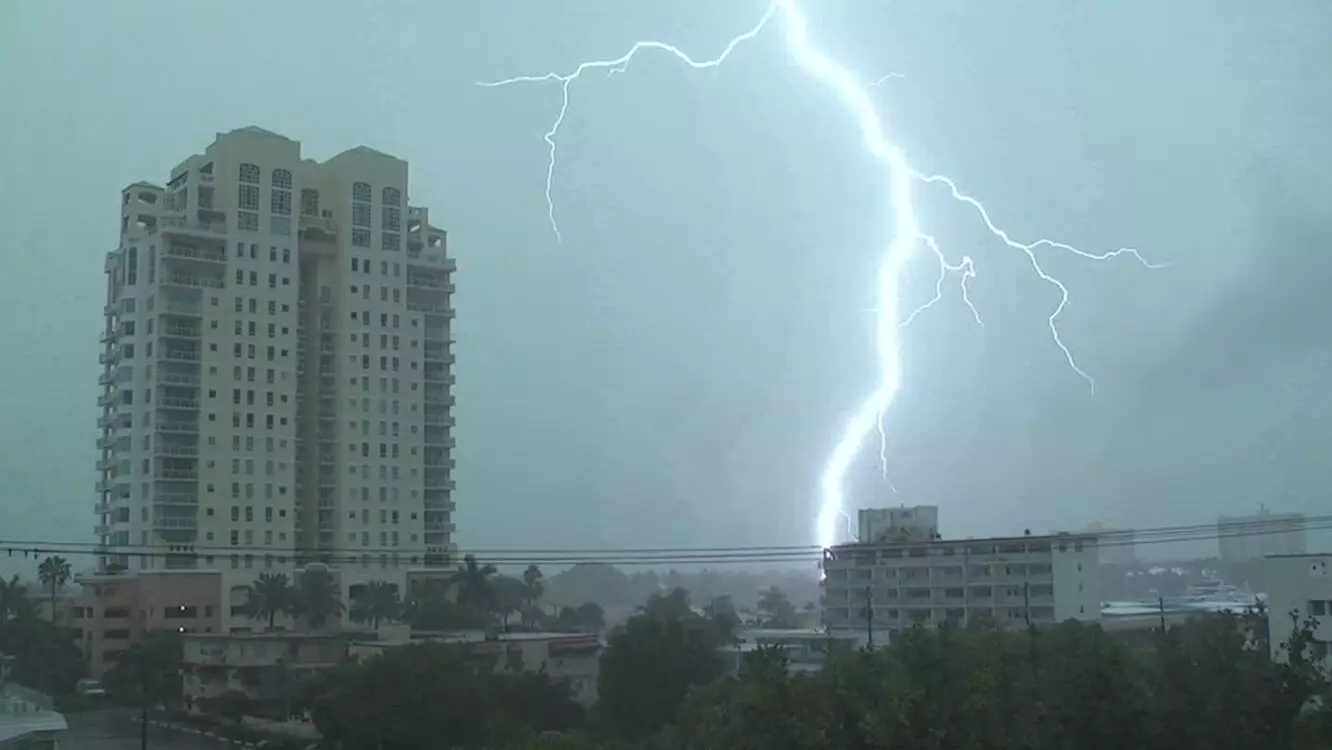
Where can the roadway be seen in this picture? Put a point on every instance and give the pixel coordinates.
(118, 729)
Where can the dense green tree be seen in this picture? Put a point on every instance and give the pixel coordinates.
(433, 696)
(150, 670)
(270, 595)
(45, 655)
(375, 603)
(778, 612)
(428, 608)
(1071, 686)
(508, 596)
(316, 597)
(475, 586)
(535, 581)
(652, 662)
(14, 600)
(54, 573)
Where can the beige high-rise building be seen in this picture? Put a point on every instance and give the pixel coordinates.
(277, 369)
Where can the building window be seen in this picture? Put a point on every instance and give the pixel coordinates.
(247, 221)
(248, 197)
(132, 266)
(280, 202)
(249, 173)
(391, 242)
(392, 196)
(282, 179)
(309, 202)
(361, 238)
(392, 219)
(360, 214)
(361, 191)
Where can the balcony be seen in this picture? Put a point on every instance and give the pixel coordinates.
(108, 357)
(166, 377)
(194, 253)
(107, 337)
(175, 523)
(180, 426)
(440, 420)
(421, 281)
(180, 331)
(187, 404)
(101, 529)
(176, 451)
(182, 225)
(102, 509)
(443, 485)
(430, 308)
(182, 308)
(438, 375)
(191, 282)
(180, 355)
(106, 399)
(433, 442)
(178, 475)
(321, 223)
(106, 442)
(441, 527)
(175, 498)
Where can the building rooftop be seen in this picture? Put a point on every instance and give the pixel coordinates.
(1056, 535)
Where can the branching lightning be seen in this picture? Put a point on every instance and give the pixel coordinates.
(905, 235)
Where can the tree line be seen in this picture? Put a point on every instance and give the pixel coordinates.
(1208, 684)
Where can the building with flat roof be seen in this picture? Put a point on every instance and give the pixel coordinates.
(1241, 539)
(914, 523)
(277, 367)
(1300, 585)
(28, 719)
(883, 587)
(805, 649)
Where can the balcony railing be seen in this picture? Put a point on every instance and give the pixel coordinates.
(175, 498)
(425, 282)
(180, 355)
(181, 308)
(180, 451)
(178, 474)
(171, 378)
(429, 309)
(194, 253)
(188, 332)
(177, 426)
(196, 282)
(181, 223)
(178, 403)
(175, 523)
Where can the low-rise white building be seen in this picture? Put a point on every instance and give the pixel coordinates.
(1300, 585)
(806, 650)
(28, 719)
(883, 587)
(1241, 539)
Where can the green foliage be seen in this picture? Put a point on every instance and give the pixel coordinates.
(428, 608)
(432, 696)
(376, 602)
(270, 595)
(150, 670)
(316, 597)
(1072, 686)
(777, 610)
(54, 572)
(45, 655)
(653, 661)
(475, 586)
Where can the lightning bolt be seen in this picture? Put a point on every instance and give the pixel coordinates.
(905, 234)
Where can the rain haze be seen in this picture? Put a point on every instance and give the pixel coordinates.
(676, 371)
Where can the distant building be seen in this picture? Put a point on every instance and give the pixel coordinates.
(1242, 539)
(28, 719)
(265, 667)
(901, 524)
(111, 612)
(1011, 581)
(1300, 585)
(1117, 546)
(806, 650)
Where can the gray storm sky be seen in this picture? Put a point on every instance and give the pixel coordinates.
(675, 373)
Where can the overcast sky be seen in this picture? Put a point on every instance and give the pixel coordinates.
(675, 373)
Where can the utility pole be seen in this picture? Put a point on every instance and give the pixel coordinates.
(1026, 603)
(143, 709)
(869, 616)
(1160, 607)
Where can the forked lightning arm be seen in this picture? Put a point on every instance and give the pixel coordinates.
(905, 235)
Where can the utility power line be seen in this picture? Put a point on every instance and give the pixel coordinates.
(649, 556)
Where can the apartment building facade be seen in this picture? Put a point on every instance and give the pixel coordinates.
(276, 369)
(1242, 539)
(1300, 585)
(883, 587)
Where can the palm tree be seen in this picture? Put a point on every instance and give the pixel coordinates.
(536, 586)
(13, 599)
(592, 617)
(316, 597)
(269, 596)
(375, 603)
(54, 573)
(475, 588)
